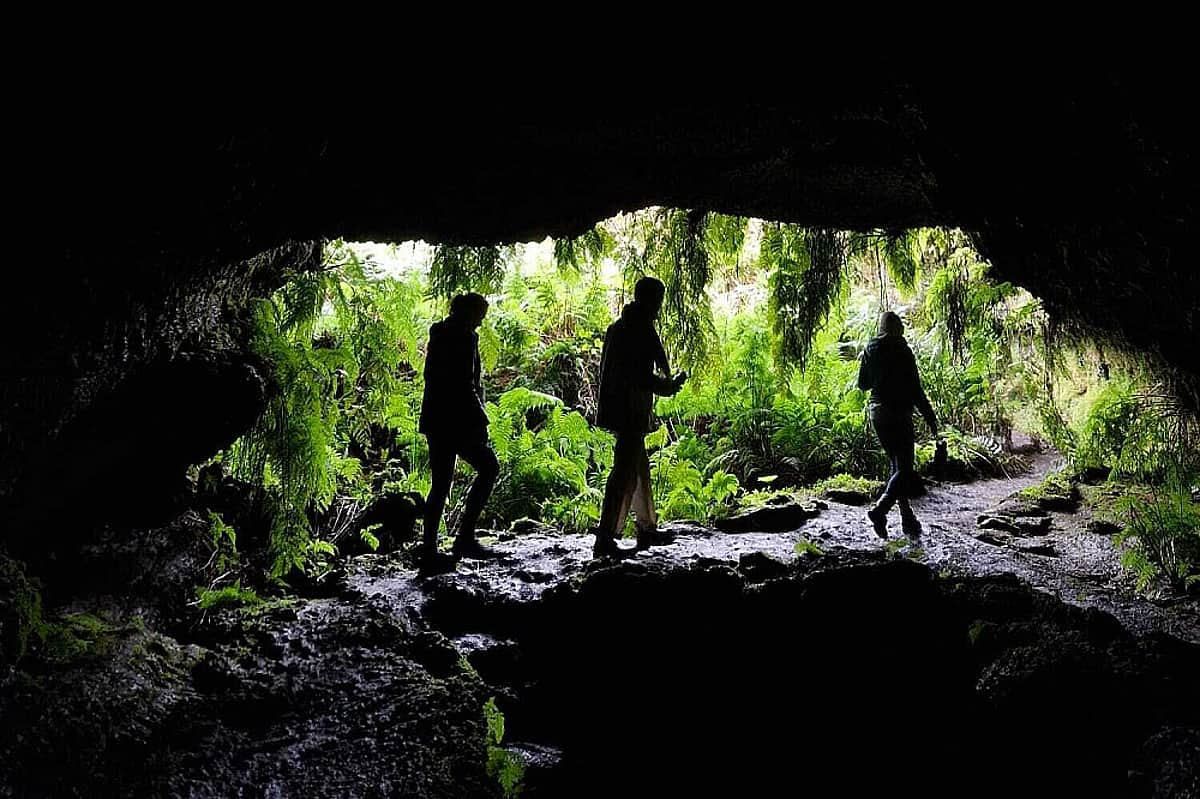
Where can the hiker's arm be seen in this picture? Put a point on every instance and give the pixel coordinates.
(922, 402)
(866, 372)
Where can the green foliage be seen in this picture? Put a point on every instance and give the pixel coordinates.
(766, 496)
(544, 468)
(76, 636)
(57, 640)
(581, 251)
(977, 456)
(29, 620)
(1162, 535)
(1056, 428)
(333, 341)
(769, 319)
(1138, 435)
(506, 768)
(806, 547)
(457, 269)
(367, 534)
(801, 425)
(724, 238)
(226, 596)
(807, 269)
(224, 543)
(672, 248)
(848, 482)
(1055, 486)
(1105, 435)
(681, 490)
(289, 452)
(21, 606)
(902, 262)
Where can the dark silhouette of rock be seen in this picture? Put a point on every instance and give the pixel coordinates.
(1017, 506)
(847, 496)
(1103, 527)
(397, 514)
(768, 519)
(1016, 525)
(757, 567)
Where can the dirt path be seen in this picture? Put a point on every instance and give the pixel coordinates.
(1076, 565)
(1072, 562)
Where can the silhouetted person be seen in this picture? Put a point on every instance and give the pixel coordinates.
(889, 371)
(456, 425)
(628, 383)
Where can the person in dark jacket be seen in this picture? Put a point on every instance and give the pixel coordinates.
(628, 383)
(456, 426)
(889, 371)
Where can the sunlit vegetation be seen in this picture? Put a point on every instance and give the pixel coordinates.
(769, 318)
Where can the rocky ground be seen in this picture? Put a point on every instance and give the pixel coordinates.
(1006, 653)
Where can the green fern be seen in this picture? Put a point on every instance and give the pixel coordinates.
(807, 270)
(503, 766)
(456, 269)
(1162, 538)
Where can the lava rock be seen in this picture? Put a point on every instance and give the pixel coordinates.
(1035, 547)
(993, 539)
(847, 496)
(758, 566)
(1168, 764)
(1002, 523)
(1016, 506)
(527, 526)
(1103, 527)
(397, 514)
(768, 519)
(1016, 525)
(1093, 475)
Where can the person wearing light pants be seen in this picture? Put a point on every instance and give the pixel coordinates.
(628, 382)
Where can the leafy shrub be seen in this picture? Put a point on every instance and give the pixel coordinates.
(681, 490)
(848, 482)
(545, 466)
(1162, 536)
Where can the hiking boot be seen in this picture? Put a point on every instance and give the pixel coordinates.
(912, 529)
(878, 517)
(472, 549)
(654, 537)
(608, 548)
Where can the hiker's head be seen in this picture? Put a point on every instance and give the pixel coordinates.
(648, 292)
(469, 308)
(890, 324)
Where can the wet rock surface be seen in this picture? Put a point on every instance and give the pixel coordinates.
(769, 518)
(716, 663)
(1168, 764)
(737, 665)
(295, 698)
(848, 496)
(735, 652)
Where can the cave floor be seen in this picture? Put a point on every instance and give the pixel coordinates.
(1068, 560)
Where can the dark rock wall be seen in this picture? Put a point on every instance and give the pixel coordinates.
(111, 391)
(145, 232)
